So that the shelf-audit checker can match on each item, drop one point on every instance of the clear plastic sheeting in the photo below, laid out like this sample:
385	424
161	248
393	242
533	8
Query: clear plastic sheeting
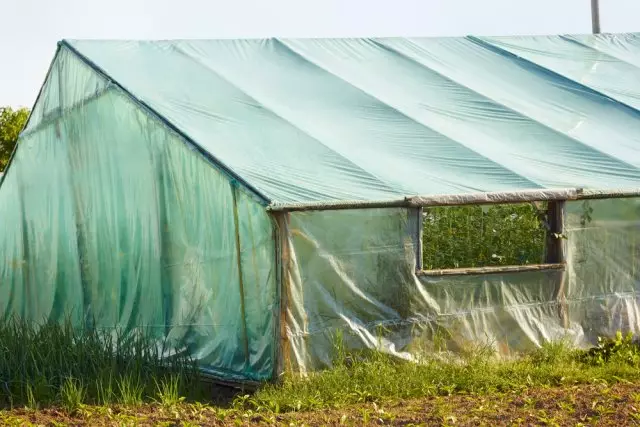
353	273
603	286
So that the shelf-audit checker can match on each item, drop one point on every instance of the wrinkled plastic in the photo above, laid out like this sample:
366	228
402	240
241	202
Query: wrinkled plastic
351	274
109	218
379	119
603	285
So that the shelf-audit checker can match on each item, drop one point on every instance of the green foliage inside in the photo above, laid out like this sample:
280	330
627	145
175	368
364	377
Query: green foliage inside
480	236
11	124
58	364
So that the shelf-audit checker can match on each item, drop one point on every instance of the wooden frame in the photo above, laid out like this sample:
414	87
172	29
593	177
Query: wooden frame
503	269
555	257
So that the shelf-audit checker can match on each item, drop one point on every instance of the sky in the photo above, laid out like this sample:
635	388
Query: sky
30	29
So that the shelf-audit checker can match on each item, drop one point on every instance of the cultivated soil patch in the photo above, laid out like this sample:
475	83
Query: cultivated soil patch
595	404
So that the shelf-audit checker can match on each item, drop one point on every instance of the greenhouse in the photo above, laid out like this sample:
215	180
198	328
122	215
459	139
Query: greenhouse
248	201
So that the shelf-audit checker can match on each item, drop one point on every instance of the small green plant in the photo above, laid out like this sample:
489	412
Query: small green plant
621	349
31	398
72	394
130	390
168	390
553	352
586	216
104	391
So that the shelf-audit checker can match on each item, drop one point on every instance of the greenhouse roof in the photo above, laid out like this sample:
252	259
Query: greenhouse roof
326	120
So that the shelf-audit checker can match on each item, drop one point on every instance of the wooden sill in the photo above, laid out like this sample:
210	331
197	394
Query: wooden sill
477	271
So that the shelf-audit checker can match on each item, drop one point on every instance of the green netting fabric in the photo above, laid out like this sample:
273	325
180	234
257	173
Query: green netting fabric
70	82
108	217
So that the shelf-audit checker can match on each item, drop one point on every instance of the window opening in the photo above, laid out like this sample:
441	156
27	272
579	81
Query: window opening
492	236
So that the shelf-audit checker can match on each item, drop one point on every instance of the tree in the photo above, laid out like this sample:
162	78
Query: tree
11	123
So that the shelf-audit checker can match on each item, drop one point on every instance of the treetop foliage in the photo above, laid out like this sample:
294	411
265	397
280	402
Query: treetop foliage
11	124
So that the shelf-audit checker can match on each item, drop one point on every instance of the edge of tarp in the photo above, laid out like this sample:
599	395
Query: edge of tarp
231	175
522	196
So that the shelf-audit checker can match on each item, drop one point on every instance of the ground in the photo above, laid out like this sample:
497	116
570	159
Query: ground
595	404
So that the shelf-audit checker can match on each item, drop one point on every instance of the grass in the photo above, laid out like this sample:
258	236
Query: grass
58	374
375	377
54	363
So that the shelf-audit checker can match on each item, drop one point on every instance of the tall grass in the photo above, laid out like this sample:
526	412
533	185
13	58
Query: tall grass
54	363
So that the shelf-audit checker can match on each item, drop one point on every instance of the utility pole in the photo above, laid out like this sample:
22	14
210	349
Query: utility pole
595	17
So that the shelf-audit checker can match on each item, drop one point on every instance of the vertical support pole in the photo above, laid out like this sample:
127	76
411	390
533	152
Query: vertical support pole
236	222
419	230
595	17
416	230
283	255
555	254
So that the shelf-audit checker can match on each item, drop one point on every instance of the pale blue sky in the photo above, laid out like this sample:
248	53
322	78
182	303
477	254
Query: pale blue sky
29	29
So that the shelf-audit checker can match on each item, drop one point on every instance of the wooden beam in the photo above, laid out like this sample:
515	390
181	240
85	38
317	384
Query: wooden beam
477	271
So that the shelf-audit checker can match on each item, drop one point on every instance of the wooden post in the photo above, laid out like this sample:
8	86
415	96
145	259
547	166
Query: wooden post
555	235
281	220
415	230
556	254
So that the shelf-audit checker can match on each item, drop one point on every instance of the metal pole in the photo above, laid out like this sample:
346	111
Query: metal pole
595	16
